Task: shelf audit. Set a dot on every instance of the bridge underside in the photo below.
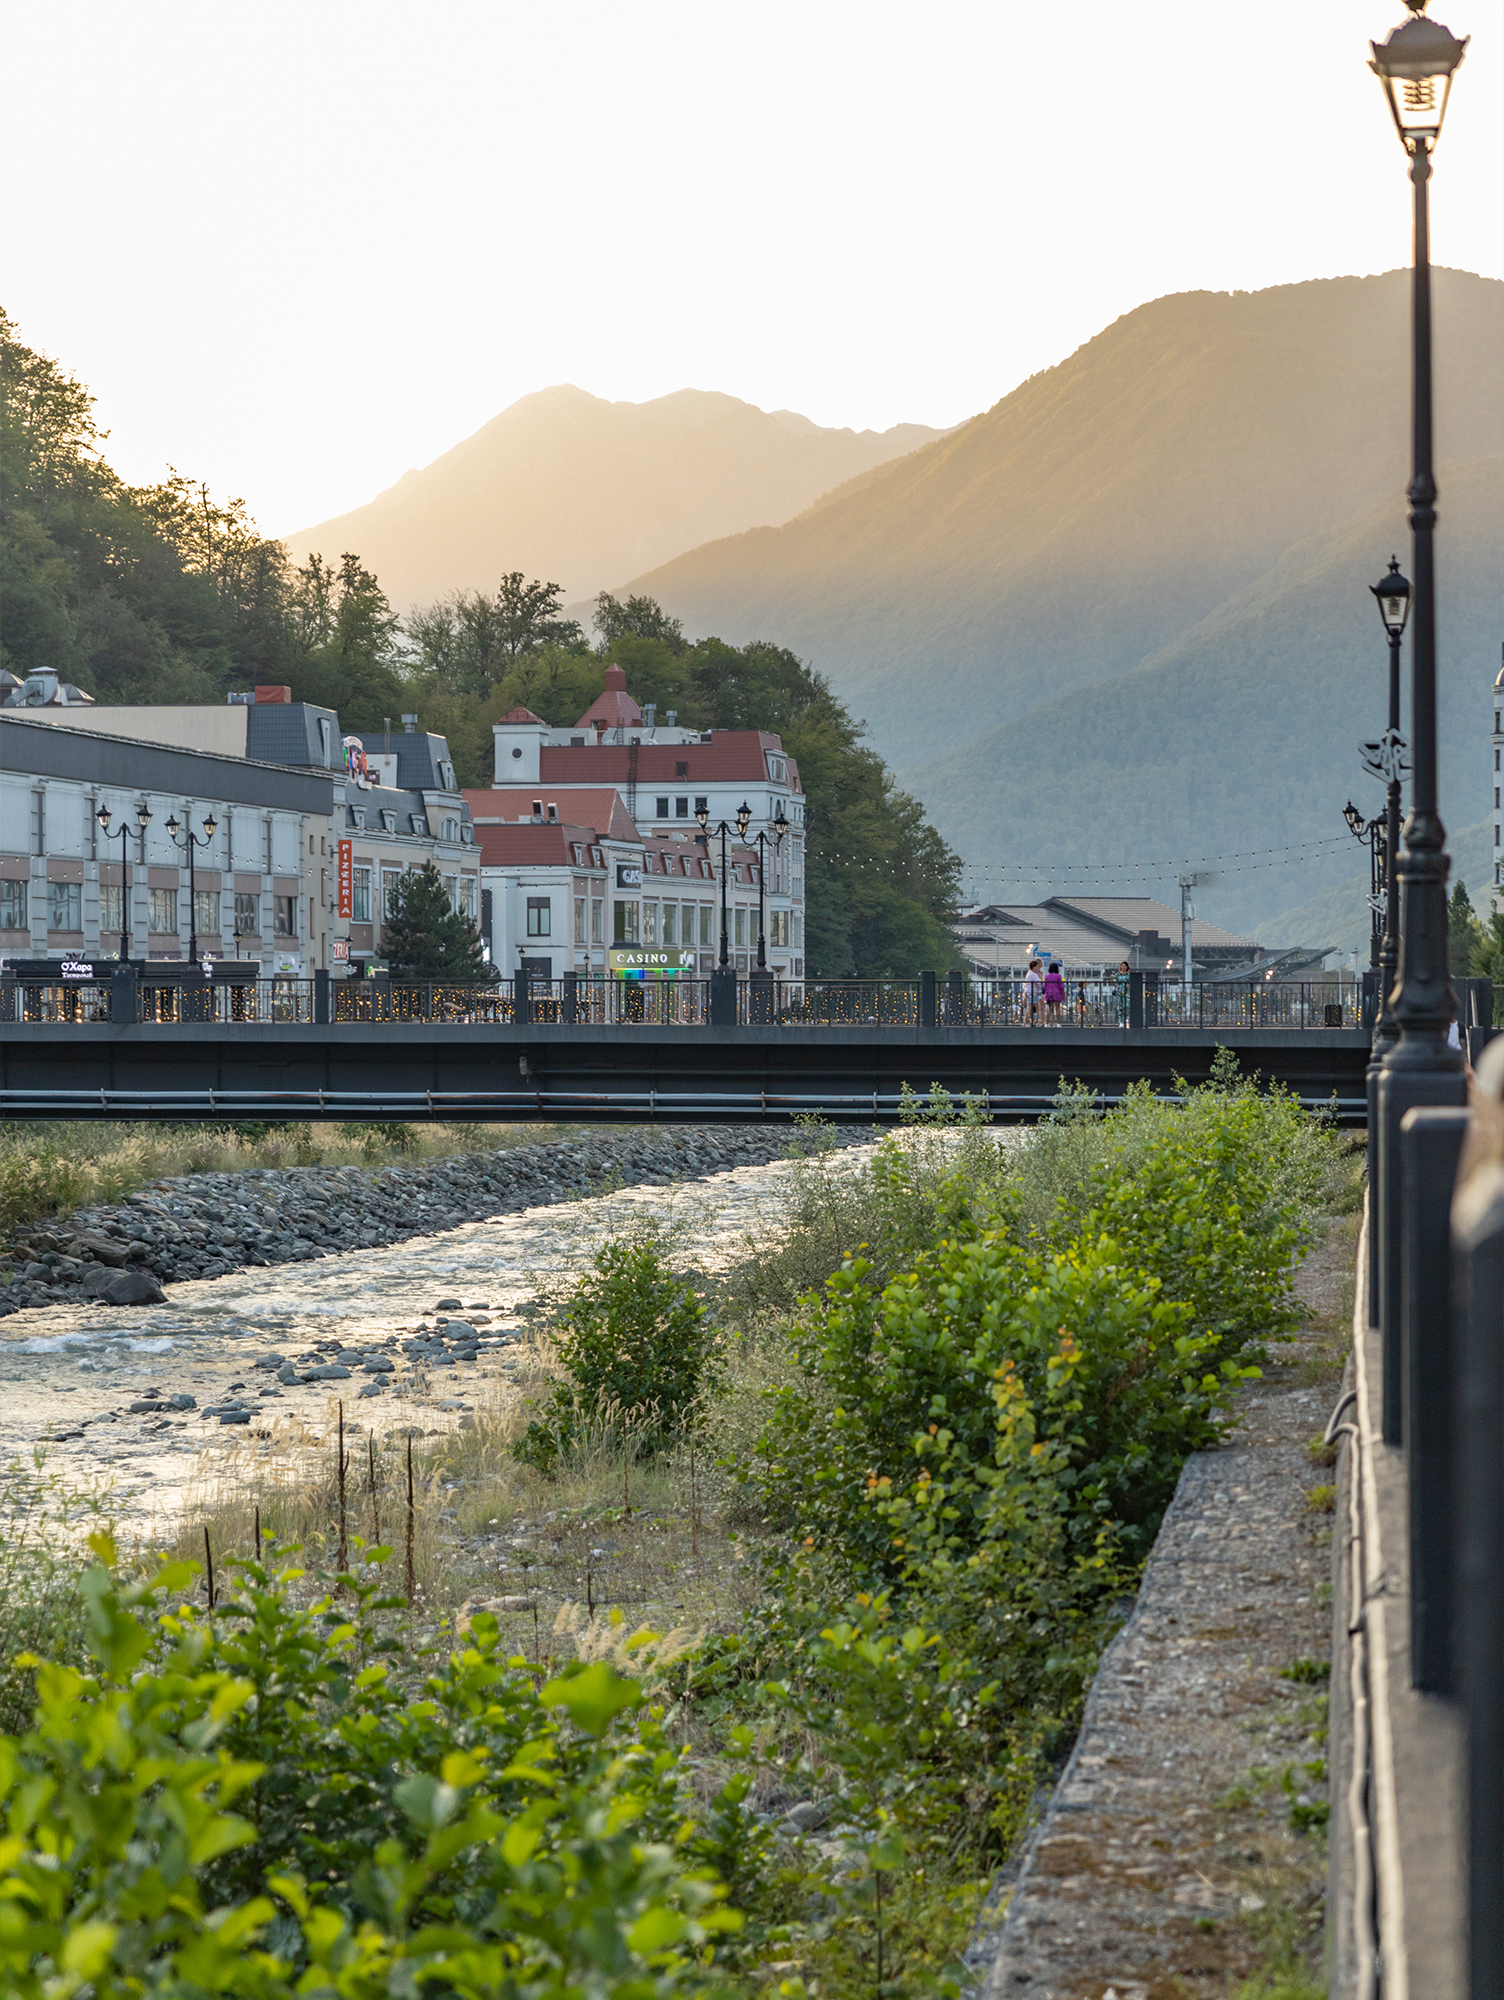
(603, 1075)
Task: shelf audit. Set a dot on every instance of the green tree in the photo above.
(1464, 932)
(424, 937)
(639, 618)
(350, 629)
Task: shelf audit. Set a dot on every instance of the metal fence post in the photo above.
(571, 1000)
(1135, 1000)
(125, 1001)
(723, 998)
(320, 997)
(926, 999)
(1478, 1289)
(1430, 1146)
(522, 998)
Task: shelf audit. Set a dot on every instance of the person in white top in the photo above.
(1033, 988)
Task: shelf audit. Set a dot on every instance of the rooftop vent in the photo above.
(409, 723)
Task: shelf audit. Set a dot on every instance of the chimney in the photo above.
(650, 714)
(409, 723)
(274, 694)
(671, 716)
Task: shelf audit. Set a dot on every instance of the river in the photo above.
(68, 1374)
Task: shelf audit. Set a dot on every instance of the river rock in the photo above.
(128, 1288)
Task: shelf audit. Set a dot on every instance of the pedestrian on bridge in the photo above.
(1123, 983)
(1054, 994)
(1033, 989)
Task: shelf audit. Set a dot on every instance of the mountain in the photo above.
(566, 486)
(1340, 916)
(1103, 509)
(1242, 735)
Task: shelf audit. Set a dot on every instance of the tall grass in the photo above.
(52, 1169)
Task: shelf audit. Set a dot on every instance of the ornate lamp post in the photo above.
(743, 821)
(1416, 63)
(1392, 595)
(1371, 833)
(190, 841)
(143, 821)
(771, 836)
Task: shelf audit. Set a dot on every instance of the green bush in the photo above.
(247, 1803)
(38, 1182)
(637, 1344)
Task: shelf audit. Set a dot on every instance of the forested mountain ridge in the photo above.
(568, 485)
(1101, 510)
(162, 594)
(1243, 734)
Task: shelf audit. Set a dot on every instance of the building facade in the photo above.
(307, 840)
(666, 779)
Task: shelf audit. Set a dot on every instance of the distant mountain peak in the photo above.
(582, 490)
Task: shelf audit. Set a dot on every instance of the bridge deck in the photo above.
(605, 1073)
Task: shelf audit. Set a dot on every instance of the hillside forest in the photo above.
(166, 594)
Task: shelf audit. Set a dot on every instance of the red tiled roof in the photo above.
(613, 708)
(538, 844)
(731, 754)
(523, 715)
(597, 806)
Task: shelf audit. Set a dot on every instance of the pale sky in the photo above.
(296, 249)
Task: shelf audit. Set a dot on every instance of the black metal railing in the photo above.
(930, 1001)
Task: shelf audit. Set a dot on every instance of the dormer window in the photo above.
(600, 859)
(577, 849)
(389, 822)
(356, 816)
(778, 769)
(467, 834)
(417, 823)
(537, 808)
(446, 776)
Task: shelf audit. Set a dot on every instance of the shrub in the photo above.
(492, 1836)
(637, 1343)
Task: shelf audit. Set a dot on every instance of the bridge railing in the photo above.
(939, 1001)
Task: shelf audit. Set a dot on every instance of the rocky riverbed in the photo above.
(237, 1373)
(207, 1225)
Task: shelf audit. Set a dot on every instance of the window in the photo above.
(326, 740)
(777, 769)
(681, 808)
(467, 834)
(798, 916)
(599, 858)
(285, 914)
(579, 919)
(540, 916)
(162, 911)
(576, 742)
(65, 906)
(577, 849)
(111, 906)
(741, 925)
(681, 768)
(248, 914)
(670, 924)
(650, 923)
(446, 775)
(452, 890)
(597, 919)
(388, 821)
(707, 924)
(626, 923)
(702, 806)
(206, 912)
(13, 906)
(355, 816)
(360, 895)
(467, 897)
(417, 823)
(662, 812)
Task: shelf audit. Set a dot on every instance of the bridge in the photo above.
(625, 1072)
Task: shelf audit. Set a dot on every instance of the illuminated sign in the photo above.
(339, 950)
(643, 962)
(346, 878)
(628, 877)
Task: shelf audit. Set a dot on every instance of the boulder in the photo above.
(129, 1288)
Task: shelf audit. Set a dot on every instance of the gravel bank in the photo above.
(208, 1225)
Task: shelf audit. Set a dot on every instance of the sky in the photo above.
(298, 249)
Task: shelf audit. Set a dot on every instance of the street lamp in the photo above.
(143, 821)
(1392, 595)
(773, 834)
(1415, 64)
(1371, 832)
(190, 841)
(743, 821)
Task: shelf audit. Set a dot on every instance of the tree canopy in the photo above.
(165, 594)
